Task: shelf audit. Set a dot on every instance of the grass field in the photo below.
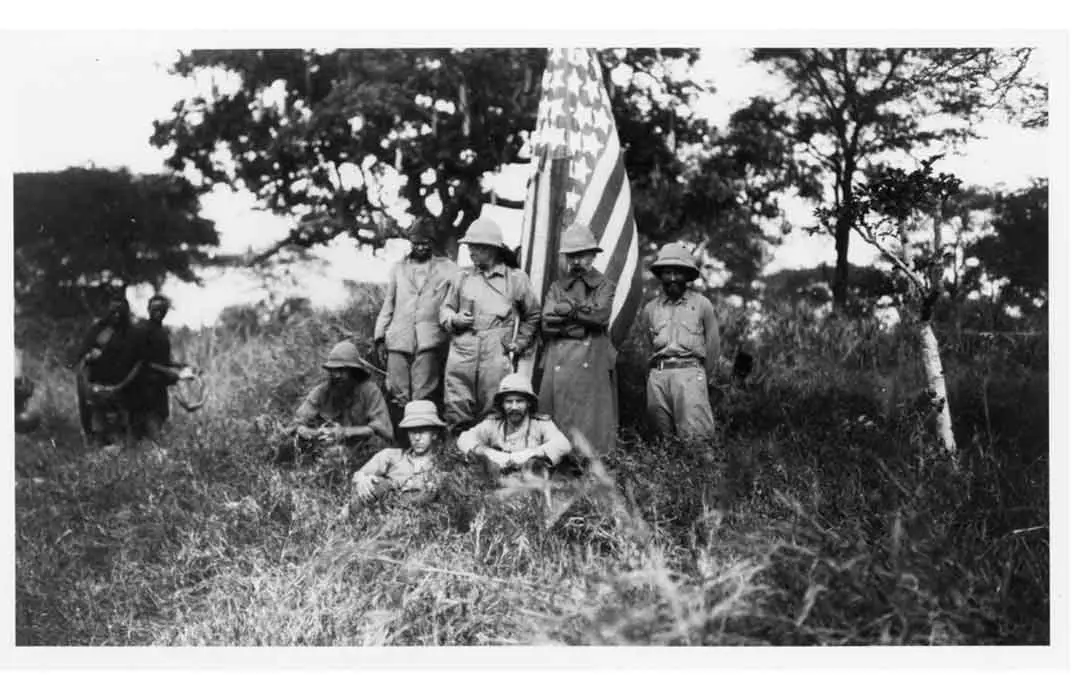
(822, 514)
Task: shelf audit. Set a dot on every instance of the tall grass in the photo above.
(822, 513)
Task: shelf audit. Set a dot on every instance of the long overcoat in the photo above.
(579, 388)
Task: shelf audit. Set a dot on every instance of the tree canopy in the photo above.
(849, 109)
(82, 231)
(333, 137)
(1018, 251)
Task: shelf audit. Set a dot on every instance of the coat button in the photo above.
(585, 365)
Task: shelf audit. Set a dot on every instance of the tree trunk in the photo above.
(842, 231)
(932, 368)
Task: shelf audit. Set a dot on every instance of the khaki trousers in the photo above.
(678, 403)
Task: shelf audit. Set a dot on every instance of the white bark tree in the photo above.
(882, 214)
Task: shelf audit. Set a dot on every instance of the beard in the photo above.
(515, 416)
(338, 389)
(674, 290)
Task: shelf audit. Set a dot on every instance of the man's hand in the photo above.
(381, 352)
(93, 354)
(510, 347)
(463, 320)
(364, 486)
(563, 308)
(186, 373)
(329, 434)
(520, 457)
(305, 432)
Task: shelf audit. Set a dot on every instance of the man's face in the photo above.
(157, 311)
(674, 280)
(341, 379)
(118, 311)
(483, 256)
(516, 407)
(420, 249)
(421, 440)
(580, 263)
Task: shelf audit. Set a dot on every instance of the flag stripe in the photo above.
(607, 162)
(608, 203)
(629, 309)
(622, 238)
(625, 256)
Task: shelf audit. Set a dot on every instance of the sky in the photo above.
(115, 93)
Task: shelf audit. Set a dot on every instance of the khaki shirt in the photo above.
(364, 407)
(495, 298)
(682, 329)
(536, 431)
(401, 467)
(409, 319)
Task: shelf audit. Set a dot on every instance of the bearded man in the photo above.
(680, 327)
(516, 438)
(346, 414)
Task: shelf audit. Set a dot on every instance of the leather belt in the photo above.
(675, 363)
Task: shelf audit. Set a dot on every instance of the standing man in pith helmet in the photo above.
(681, 328)
(579, 386)
(410, 344)
(492, 314)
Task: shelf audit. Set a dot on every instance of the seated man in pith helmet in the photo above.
(346, 413)
(411, 473)
(515, 438)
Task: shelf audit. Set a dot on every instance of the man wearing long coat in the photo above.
(579, 386)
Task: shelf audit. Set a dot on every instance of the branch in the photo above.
(490, 197)
(871, 238)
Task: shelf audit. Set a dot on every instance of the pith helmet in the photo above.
(484, 231)
(345, 354)
(675, 255)
(578, 238)
(516, 384)
(421, 414)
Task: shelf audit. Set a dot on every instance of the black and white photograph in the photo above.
(582, 344)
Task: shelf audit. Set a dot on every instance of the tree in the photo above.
(1018, 251)
(732, 190)
(81, 231)
(881, 211)
(333, 137)
(850, 109)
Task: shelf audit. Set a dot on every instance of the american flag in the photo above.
(580, 176)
